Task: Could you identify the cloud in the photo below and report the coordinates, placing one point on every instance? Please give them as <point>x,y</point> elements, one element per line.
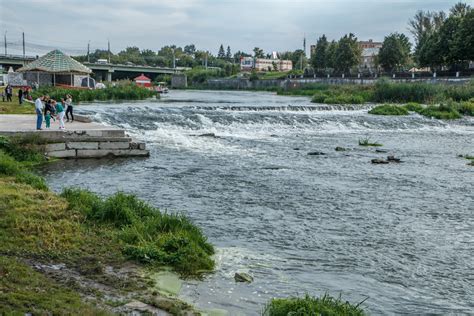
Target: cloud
<point>274,25</point>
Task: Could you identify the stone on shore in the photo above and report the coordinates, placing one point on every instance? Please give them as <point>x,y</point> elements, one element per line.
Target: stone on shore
<point>316,153</point>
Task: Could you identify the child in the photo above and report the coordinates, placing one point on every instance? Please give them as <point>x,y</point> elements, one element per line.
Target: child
<point>60,113</point>
<point>47,118</point>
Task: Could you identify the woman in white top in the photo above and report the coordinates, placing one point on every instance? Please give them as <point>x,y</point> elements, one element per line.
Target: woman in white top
<point>69,108</point>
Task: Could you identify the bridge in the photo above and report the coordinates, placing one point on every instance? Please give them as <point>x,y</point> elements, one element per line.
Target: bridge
<point>101,71</point>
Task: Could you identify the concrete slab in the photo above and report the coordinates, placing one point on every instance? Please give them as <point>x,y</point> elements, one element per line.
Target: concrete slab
<point>82,145</point>
<point>62,153</point>
<point>114,145</point>
<point>27,122</point>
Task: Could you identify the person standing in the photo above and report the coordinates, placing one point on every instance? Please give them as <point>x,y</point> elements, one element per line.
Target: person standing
<point>69,108</point>
<point>60,111</point>
<point>39,112</point>
<point>20,96</point>
<point>9,92</point>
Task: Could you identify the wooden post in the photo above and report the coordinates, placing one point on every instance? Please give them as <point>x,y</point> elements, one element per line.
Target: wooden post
<point>54,79</point>
<point>72,84</point>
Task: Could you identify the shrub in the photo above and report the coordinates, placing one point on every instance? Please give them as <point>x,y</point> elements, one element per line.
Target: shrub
<point>388,109</point>
<point>119,92</point>
<point>147,235</point>
<point>466,108</point>
<point>23,148</point>
<point>405,92</point>
<point>325,305</point>
<point>459,92</point>
<point>8,165</point>
<point>32,180</point>
<point>413,107</point>
<point>441,112</point>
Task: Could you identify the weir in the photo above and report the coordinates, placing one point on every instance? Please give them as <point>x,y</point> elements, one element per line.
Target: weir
<point>83,139</point>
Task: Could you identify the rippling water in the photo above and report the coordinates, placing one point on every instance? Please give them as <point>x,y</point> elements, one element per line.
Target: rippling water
<point>400,234</point>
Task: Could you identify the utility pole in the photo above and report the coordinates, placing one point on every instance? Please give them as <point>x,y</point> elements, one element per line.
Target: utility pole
<point>23,34</point>
<point>108,48</point>
<point>207,52</point>
<point>88,49</point>
<point>5,40</point>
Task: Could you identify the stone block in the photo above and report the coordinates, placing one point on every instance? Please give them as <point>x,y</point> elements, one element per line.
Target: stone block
<point>86,153</point>
<point>55,147</point>
<point>91,153</point>
<point>141,146</point>
<point>62,153</point>
<point>114,145</point>
<point>82,145</point>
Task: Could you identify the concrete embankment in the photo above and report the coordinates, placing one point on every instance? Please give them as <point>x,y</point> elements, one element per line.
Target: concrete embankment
<point>80,139</point>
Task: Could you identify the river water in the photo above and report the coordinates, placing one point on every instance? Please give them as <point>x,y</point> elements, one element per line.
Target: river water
<point>399,235</point>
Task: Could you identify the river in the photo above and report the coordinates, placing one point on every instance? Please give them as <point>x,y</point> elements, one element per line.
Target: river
<point>399,235</point>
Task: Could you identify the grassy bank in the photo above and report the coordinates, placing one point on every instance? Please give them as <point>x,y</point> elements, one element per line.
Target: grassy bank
<point>445,111</point>
<point>325,305</point>
<point>14,106</point>
<point>384,91</point>
<point>103,246</point>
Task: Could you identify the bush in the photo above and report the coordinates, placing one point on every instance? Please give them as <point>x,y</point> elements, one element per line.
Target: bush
<point>23,148</point>
<point>9,166</point>
<point>441,112</point>
<point>459,92</point>
<point>413,107</point>
<point>32,180</point>
<point>119,92</point>
<point>405,92</point>
<point>388,109</point>
<point>466,108</point>
<point>147,235</point>
<point>325,305</point>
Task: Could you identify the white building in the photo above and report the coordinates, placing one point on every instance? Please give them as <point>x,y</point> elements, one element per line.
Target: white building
<point>263,64</point>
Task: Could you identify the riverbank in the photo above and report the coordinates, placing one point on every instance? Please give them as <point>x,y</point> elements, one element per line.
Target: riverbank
<point>87,254</point>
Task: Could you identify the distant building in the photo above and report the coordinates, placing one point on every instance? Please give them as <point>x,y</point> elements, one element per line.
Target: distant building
<point>263,64</point>
<point>312,50</point>
<point>143,81</point>
<point>370,44</point>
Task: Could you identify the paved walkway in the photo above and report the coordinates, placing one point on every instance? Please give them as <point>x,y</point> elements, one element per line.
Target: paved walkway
<point>27,122</point>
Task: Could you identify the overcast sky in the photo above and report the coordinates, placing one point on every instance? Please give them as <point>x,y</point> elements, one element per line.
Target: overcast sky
<point>274,25</point>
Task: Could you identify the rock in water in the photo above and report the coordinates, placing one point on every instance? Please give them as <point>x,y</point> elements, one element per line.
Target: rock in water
<point>209,135</point>
<point>379,161</point>
<point>316,153</point>
<point>381,151</point>
<point>393,159</point>
<point>340,148</point>
<point>243,277</point>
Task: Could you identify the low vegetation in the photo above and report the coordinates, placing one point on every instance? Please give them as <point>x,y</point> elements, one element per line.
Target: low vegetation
<point>389,109</point>
<point>121,91</point>
<point>14,107</point>
<point>441,112</point>
<point>413,107</point>
<point>325,305</point>
<point>368,143</point>
<point>84,233</point>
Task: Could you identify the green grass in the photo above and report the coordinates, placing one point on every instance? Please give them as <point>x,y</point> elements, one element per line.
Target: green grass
<point>14,106</point>
<point>413,107</point>
<point>119,92</point>
<point>441,112</point>
<point>388,109</point>
<point>325,305</point>
<point>367,143</point>
<point>23,290</point>
<point>146,234</point>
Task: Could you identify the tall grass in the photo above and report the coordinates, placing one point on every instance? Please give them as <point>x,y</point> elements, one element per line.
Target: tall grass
<point>119,92</point>
<point>147,235</point>
<point>389,109</point>
<point>10,167</point>
<point>325,305</point>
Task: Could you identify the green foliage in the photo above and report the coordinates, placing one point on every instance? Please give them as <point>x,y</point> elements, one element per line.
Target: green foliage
<point>441,112</point>
<point>339,94</point>
<point>404,92</point>
<point>367,143</point>
<point>347,53</point>
<point>200,75</point>
<point>395,51</point>
<point>253,76</point>
<point>413,107</point>
<point>23,148</point>
<point>26,291</point>
<point>388,109</point>
<point>147,235</point>
<point>319,59</point>
<point>465,108</point>
<point>119,92</point>
<point>325,305</point>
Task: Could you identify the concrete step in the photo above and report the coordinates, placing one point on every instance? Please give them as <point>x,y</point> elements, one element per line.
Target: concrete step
<point>98,153</point>
<point>65,134</point>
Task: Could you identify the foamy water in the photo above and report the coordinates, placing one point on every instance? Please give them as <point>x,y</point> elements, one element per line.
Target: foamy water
<point>400,234</point>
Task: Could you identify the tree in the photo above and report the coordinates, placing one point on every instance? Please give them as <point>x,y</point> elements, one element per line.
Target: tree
<point>331,54</point>
<point>395,51</point>
<point>258,52</point>
<point>228,54</point>
<point>348,53</point>
<point>298,58</point>
<point>423,25</point>
<point>221,53</point>
<point>319,59</point>
<point>190,49</point>
<point>460,10</point>
<point>465,36</point>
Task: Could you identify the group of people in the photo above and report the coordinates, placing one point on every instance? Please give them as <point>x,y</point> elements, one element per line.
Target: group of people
<point>23,93</point>
<point>52,109</point>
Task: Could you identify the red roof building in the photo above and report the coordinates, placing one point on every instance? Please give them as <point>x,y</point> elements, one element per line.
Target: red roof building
<point>143,81</point>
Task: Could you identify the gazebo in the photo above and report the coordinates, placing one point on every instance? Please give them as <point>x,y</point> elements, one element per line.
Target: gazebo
<point>55,68</point>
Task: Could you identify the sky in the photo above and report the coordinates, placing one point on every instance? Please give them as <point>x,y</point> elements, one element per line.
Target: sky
<point>273,25</point>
